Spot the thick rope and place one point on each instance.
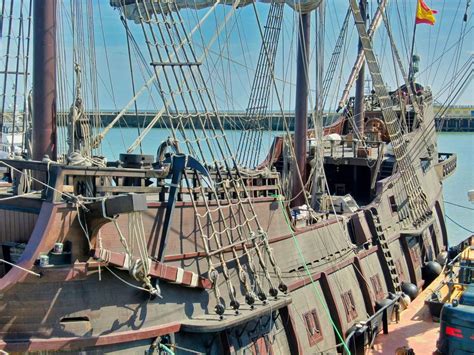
(140, 268)
(19, 267)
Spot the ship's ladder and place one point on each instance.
(417, 202)
(338, 48)
(250, 145)
(387, 254)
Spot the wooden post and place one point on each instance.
(44, 79)
(301, 110)
(359, 96)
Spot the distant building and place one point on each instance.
(456, 118)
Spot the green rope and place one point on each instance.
(165, 348)
(318, 294)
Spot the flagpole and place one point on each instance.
(410, 67)
(423, 14)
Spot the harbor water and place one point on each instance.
(460, 220)
(459, 211)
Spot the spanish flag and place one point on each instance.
(424, 14)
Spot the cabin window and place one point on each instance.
(400, 271)
(425, 164)
(393, 204)
(377, 287)
(340, 189)
(349, 306)
(313, 327)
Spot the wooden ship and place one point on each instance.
(194, 251)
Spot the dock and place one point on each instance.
(416, 329)
(455, 119)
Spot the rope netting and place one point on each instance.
(15, 35)
(250, 142)
(76, 126)
(227, 222)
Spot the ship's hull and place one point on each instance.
(336, 272)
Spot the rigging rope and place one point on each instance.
(194, 120)
(19, 267)
(160, 113)
(295, 173)
(149, 82)
(20, 196)
(70, 196)
(15, 63)
(138, 268)
(459, 225)
(457, 205)
(250, 143)
(328, 78)
(417, 203)
(132, 76)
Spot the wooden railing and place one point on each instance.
(359, 338)
(447, 163)
(352, 148)
(66, 179)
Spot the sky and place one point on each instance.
(229, 66)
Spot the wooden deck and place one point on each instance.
(415, 330)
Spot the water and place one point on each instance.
(119, 139)
(455, 187)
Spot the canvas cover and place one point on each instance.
(133, 8)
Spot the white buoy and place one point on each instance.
(470, 195)
(405, 301)
(44, 260)
(58, 248)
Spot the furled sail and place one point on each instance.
(133, 8)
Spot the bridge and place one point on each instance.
(455, 119)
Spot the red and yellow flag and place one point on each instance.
(424, 14)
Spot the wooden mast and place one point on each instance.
(44, 79)
(359, 95)
(301, 110)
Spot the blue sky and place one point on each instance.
(229, 75)
(433, 44)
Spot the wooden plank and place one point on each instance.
(43, 237)
(7, 225)
(129, 189)
(2, 226)
(213, 323)
(74, 343)
(16, 226)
